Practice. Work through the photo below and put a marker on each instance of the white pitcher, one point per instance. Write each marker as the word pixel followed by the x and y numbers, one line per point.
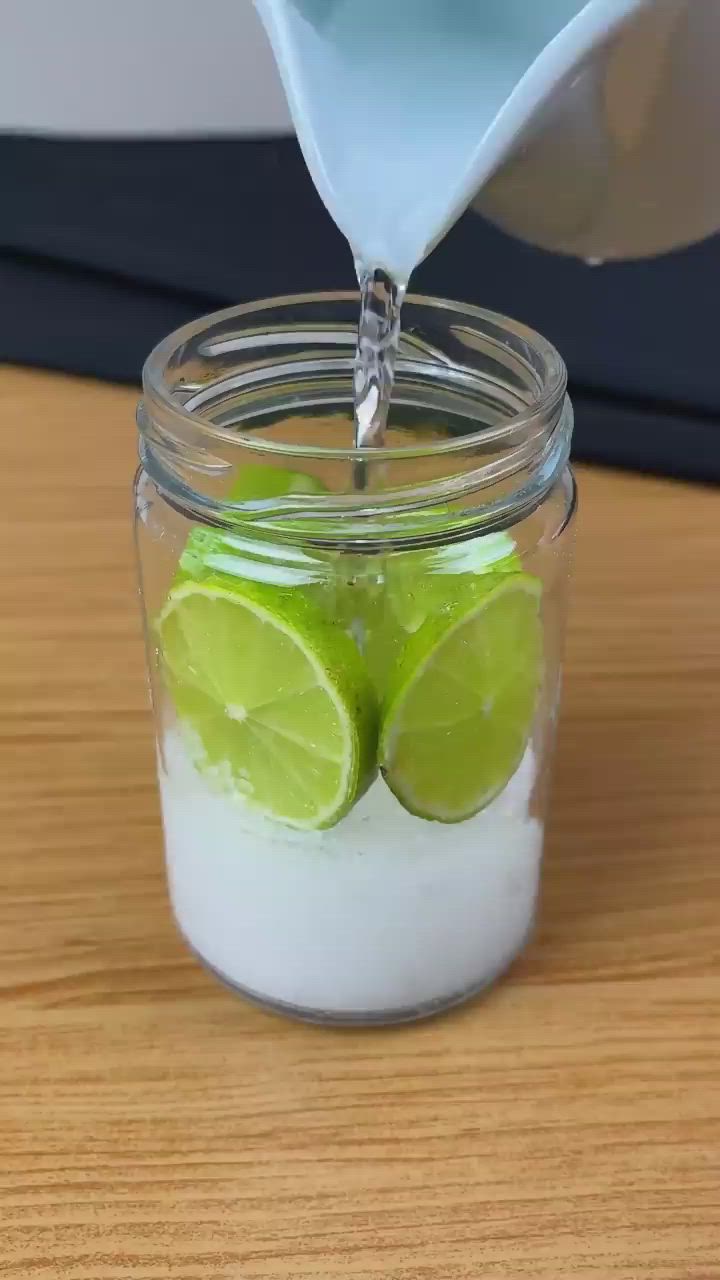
pixel 606 146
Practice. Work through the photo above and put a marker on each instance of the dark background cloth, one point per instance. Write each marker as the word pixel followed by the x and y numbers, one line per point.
pixel 105 246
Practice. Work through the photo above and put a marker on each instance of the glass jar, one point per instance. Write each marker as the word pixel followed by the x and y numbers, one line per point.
pixel 354 655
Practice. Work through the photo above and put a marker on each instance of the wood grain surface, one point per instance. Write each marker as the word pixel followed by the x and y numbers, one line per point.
pixel 151 1126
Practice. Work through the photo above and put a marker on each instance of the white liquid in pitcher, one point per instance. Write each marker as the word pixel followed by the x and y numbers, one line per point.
pixel 404 109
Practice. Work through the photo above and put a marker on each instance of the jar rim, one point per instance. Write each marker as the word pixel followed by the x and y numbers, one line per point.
pixel 545 403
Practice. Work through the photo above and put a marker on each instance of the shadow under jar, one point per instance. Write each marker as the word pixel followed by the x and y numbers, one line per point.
pixel 354 655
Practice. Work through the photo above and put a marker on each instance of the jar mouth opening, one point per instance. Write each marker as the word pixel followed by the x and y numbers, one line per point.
pixel 543 402
pixel 478 433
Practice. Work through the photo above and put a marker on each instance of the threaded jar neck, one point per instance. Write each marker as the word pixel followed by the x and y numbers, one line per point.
pixel 479 429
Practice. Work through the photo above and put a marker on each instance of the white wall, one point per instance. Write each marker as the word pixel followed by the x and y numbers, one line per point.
pixel 130 66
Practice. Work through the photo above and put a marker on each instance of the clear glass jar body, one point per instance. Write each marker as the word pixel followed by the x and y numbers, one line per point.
pixel 354 660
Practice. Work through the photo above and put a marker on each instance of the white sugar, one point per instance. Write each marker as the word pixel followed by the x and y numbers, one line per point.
pixel 383 912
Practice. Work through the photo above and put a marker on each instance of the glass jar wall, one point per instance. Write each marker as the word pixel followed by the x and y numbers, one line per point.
pixel 355 656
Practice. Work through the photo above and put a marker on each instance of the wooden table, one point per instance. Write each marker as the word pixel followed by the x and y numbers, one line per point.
pixel 151 1126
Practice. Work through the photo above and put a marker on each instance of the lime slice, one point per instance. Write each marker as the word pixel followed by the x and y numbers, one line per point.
pixel 419 583
pixel 459 712
pixel 256 481
pixel 277 699
pixel 211 550
pixel 414 585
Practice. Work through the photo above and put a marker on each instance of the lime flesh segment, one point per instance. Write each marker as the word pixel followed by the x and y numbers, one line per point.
pixel 277 699
pixel 459 712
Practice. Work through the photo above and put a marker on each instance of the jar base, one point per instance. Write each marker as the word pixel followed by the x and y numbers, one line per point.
pixel 355 1018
